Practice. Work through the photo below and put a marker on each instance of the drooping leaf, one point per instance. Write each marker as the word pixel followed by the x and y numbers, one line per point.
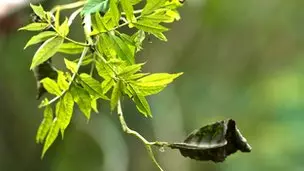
pixel 35 27
pixel 46 50
pixel 93 6
pixel 39 11
pixel 83 100
pixel 213 142
pixel 72 66
pixel 40 38
pixel 51 137
pixel 115 95
pixel 62 81
pixel 92 86
pixel 141 103
pixel 51 86
pixel 128 9
pixel 94 105
pixel 45 125
pixel 64 110
pixel 152 5
pixel 112 17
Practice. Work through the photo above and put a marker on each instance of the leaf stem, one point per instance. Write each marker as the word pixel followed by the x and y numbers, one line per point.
pixel 147 143
pixel 134 12
pixel 84 52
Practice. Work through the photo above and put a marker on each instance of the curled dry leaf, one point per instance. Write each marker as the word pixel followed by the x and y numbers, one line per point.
pixel 213 142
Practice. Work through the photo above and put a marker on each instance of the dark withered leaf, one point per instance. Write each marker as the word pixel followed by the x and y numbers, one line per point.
pixel 213 142
pixel 42 71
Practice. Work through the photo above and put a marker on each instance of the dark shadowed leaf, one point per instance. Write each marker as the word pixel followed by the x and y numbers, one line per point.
pixel 213 142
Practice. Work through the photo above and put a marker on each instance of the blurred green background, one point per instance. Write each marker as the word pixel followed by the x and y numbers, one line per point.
pixel 241 60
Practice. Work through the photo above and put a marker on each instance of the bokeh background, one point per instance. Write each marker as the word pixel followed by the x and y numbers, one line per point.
pixel 241 60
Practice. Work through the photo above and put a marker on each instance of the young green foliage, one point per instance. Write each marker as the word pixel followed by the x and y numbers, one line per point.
pixel 106 50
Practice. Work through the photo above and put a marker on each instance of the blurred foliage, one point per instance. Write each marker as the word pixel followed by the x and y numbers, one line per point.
pixel 241 59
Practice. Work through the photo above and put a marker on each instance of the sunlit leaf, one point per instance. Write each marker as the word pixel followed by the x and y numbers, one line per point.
pixel 62 81
pixel 51 86
pixel 128 9
pixel 122 50
pixel 158 79
pixel 46 50
pixel 45 125
pixel 40 38
pixel 152 5
pixel 51 137
pixel 141 103
pixel 35 27
pixel 130 70
pixel 64 110
pixel 64 28
pixel 104 70
pixel 151 27
pixel 83 100
pixel 115 95
pixel 72 66
pixel 38 10
pixel 138 38
pixel 107 84
pixel 92 86
pixel 70 48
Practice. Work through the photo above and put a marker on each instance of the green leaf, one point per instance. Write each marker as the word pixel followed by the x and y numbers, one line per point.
pixel 51 86
pixel 62 81
pixel 70 48
pixel 115 95
pixel 130 70
pixel 104 70
pixel 105 45
pixel 148 90
pixel 38 10
pixel 162 15
pixel 93 6
pixel 128 9
pixel 134 2
pixel 158 79
pixel 40 38
pixel 83 100
pixel 51 137
pixel 151 27
pixel 107 84
pixel 122 50
pixel 35 27
pixel 142 105
pixel 99 25
pixel 64 110
pixel 94 105
pixel 45 125
pixel 72 66
pixel 92 86
pixel 137 76
pixel 46 50
pixel 138 38
pixel 64 28
pixel 152 5
pixel 112 17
